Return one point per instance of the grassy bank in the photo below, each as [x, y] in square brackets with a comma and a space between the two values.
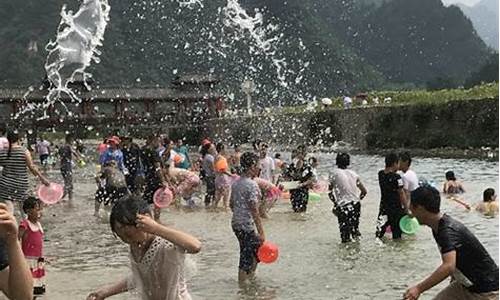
[387, 98]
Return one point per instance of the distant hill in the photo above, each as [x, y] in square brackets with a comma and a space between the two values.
[484, 17]
[326, 47]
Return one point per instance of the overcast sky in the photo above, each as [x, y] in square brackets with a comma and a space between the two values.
[467, 2]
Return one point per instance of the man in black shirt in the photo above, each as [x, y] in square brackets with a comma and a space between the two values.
[474, 273]
[132, 161]
[153, 171]
[393, 198]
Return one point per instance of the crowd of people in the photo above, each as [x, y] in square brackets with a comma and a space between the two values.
[246, 183]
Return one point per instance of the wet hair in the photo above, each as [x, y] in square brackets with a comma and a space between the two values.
[450, 175]
[166, 141]
[12, 137]
[204, 149]
[488, 195]
[277, 155]
[406, 157]
[219, 147]
[343, 160]
[427, 197]
[248, 160]
[41, 259]
[391, 159]
[125, 211]
[30, 203]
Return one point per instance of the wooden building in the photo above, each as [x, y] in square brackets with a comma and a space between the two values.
[189, 100]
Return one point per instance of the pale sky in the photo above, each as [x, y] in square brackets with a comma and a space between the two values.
[467, 2]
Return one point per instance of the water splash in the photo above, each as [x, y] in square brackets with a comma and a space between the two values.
[75, 48]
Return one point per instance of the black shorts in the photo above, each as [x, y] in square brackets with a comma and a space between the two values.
[43, 159]
[249, 245]
[210, 182]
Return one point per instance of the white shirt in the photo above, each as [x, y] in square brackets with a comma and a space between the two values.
[347, 100]
[345, 186]
[410, 181]
[266, 168]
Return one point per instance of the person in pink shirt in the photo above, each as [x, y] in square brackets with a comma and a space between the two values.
[31, 236]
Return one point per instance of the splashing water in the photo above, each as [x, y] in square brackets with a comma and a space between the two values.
[78, 37]
[237, 17]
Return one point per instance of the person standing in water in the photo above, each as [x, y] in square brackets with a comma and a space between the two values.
[246, 219]
[43, 149]
[222, 178]
[410, 179]
[266, 164]
[14, 184]
[474, 273]
[208, 153]
[344, 186]
[66, 154]
[393, 204]
[132, 161]
[153, 171]
[113, 153]
[300, 170]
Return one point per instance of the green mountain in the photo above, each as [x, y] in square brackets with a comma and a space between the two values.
[321, 47]
[484, 17]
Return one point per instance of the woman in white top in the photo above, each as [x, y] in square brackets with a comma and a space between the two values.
[344, 186]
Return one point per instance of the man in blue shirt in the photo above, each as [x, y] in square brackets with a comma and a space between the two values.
[113, 153]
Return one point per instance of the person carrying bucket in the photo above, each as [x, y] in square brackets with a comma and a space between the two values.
[246, 222]
[474, 273]
[344, 186]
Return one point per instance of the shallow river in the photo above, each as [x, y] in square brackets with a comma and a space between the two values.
[313, 264]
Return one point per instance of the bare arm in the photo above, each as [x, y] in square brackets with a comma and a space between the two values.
[34, 170]
[362, 188]
[446, 268]
[402, 199]
[258, 221]
[16, 280]
[111, 290]
[186, 241]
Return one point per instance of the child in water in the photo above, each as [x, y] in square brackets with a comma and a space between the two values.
[31, 237]
[222, 178]
[489, 206]
[452, 185]
[157, 254]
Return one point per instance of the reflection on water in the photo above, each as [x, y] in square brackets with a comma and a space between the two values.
[313, 264]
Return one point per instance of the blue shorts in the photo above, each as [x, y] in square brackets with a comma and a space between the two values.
[249, 245]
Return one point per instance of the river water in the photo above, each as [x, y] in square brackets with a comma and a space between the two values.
[313, 264]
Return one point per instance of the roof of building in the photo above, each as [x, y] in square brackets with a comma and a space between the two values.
[112, 93]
